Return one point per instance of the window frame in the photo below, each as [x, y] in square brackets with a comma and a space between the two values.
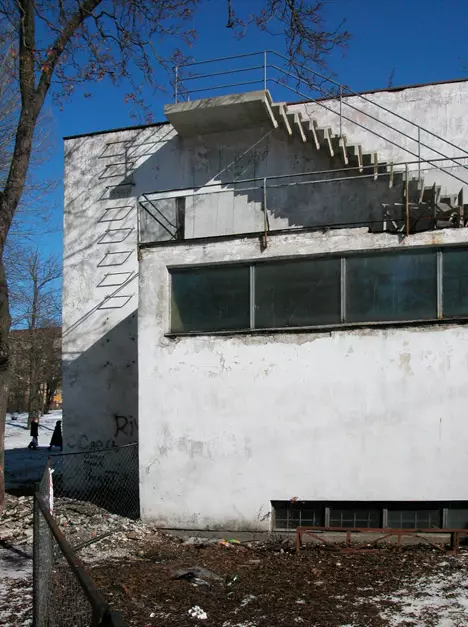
[324, 509]
[343, 256]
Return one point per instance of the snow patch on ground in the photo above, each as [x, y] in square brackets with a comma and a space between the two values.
[16, 603]
[23, 467]
[439, 599]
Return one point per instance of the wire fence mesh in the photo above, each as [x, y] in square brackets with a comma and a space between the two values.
[94, 492]
[64, 593]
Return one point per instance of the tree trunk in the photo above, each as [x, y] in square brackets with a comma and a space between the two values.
[34, 405]
[5, 321]
[51, 389]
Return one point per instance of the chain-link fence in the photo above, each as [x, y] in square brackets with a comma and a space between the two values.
[95, 492]
[64, 593]
[81, 498]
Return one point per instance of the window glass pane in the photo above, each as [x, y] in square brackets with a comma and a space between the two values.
[297, 293]
[397, 286]
[349, 517]
[414, 519]
[215, 298]
[457, 517]
[291, 515]
[455, 282]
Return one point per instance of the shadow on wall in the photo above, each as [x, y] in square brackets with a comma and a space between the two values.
[107, 374]
[101, 411]
[225, 158]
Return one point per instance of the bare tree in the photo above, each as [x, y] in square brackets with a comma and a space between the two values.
[61, 45]
[35, 308]
[46, 354]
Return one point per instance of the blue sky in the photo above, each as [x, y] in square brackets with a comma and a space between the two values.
[418, 40]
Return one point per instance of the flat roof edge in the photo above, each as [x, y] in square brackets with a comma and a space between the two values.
[386, 89]
[115, 130]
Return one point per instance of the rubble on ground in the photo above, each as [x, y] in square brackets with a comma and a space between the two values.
[269, 585]
[155, 578]
[16, 523]
[95, 534]
[79, 521]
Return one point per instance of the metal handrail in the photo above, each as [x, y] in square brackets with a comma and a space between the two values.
[418, 139]
[390, 141]
[343, 91]
[350, 92]
[241, 186]
[195, 191]
[379, 106]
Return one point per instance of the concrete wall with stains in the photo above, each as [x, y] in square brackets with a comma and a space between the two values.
[105, 175]
[233, 422]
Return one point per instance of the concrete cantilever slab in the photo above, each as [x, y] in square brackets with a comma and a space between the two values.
[222, 113]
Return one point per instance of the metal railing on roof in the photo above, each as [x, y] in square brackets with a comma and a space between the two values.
[265, 194]
[267, 70]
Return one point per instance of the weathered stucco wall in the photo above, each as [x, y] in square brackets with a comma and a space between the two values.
[232, 422]
[99, 303]
[105, 174]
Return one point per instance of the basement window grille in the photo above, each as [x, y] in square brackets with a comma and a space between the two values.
[289, 515]
[313, 292]
[355, 517]
[415, 518]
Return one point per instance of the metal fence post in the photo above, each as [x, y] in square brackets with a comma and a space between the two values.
[111, 619]
[265, 70]
[176, 83]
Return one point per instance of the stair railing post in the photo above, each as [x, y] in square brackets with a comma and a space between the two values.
[419, 152]
[266, 225]
[341, 111]
[407, 200]
[264, 70]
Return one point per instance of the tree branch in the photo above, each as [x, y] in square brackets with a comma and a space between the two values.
[53, 57]
[26, 50]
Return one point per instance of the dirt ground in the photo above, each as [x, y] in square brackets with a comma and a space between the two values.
[269, 586]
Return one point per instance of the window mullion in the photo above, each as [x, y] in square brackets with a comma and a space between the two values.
[252, 296]
[343, 289]
[440, 268]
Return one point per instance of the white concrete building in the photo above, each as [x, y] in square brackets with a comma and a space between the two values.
[272, 299]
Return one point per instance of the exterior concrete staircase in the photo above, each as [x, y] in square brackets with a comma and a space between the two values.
[428, 209]
[408, 205]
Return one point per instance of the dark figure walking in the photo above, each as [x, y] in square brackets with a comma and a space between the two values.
[57, 436]
[34, 434]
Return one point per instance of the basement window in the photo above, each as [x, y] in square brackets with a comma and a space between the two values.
[289, 516]
[364, 514]
[355, 515]
[411, 518]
